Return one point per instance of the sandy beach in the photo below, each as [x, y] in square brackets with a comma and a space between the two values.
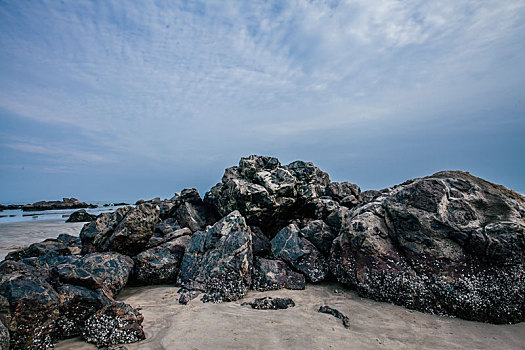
[373, 325]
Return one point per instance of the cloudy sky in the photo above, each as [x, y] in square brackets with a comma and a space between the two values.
[113, 100]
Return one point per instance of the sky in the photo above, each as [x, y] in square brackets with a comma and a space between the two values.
[112, 100]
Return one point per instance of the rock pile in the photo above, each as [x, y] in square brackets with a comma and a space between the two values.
[449, 244]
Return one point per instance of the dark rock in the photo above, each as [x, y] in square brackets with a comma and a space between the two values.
[127, 230]
[269, 303]
[49, 247]
[160, 238]
[69, 240]
[320, 234]
[299, 253]
[218, 261]
[4, 337]
[261, 243]
[275, 274]
[265, 192]
[328, 310]
[32, 311]
[162, 263]
[449, 243]
[76, 305]
[165, 227]
[344, 193]
[81, 216]
[117, 323]
[66, 203]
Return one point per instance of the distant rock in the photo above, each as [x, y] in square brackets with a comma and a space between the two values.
[218, 261]
[449, 243]
[66, 203]
[81, 216]
[269, 303]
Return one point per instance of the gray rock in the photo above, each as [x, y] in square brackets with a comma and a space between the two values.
[449, 243]
[162, 263]
[218, 261]
[299, 253]
[275, 274]
[81, 216]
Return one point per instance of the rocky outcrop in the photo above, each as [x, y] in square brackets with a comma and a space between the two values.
[126, 231]
[81, 216]
[49, 247]
[218, 261]
[269, 303]
[449, 243]
[117, 323]
[66, 203]
[270, 195]
[299, 253]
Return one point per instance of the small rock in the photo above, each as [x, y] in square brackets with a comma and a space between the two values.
[328, 310]
[81, 216]
[269, 303]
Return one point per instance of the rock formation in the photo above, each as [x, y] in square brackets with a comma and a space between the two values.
[449, 244]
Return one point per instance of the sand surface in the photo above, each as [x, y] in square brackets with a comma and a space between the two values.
[14, 235]
[373, 325]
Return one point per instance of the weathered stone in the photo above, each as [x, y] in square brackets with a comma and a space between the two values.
[299, 253]
[49, 247]
[81, 216]
[320, 234]
[162, 263]
[336, 313]
[275, 274]
[261, 243]
[449, 243]
[125, 231]
[160, 238]
[32, 310]
[269, 303]
[218, 261]
[117, 323]
[76, 305]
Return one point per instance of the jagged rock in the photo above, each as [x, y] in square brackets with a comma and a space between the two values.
[344, 193]
[320, 234]
[299, 253]
[261, 244]
[162, 263]
[81, 216]
[165, 227]
[4, 337]
[269, 303]
[125, 231]
[449, 243]
[49, 247]
[158, 239]
[76, 305]
[117, 323]
[32, 310]
[66, 203]
[218, 261]
[275, 274]
[267, 194]
[336, 313]
[69, 240]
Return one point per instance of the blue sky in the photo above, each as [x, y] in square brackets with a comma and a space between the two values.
[112, 100]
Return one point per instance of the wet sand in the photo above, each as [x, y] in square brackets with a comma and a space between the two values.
[14, 235]
[373, 325]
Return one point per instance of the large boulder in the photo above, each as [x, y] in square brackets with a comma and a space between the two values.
[218, 261]
[302, 255]
[270, 195]
[160, 264]
[449, 243]
[126, 231]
